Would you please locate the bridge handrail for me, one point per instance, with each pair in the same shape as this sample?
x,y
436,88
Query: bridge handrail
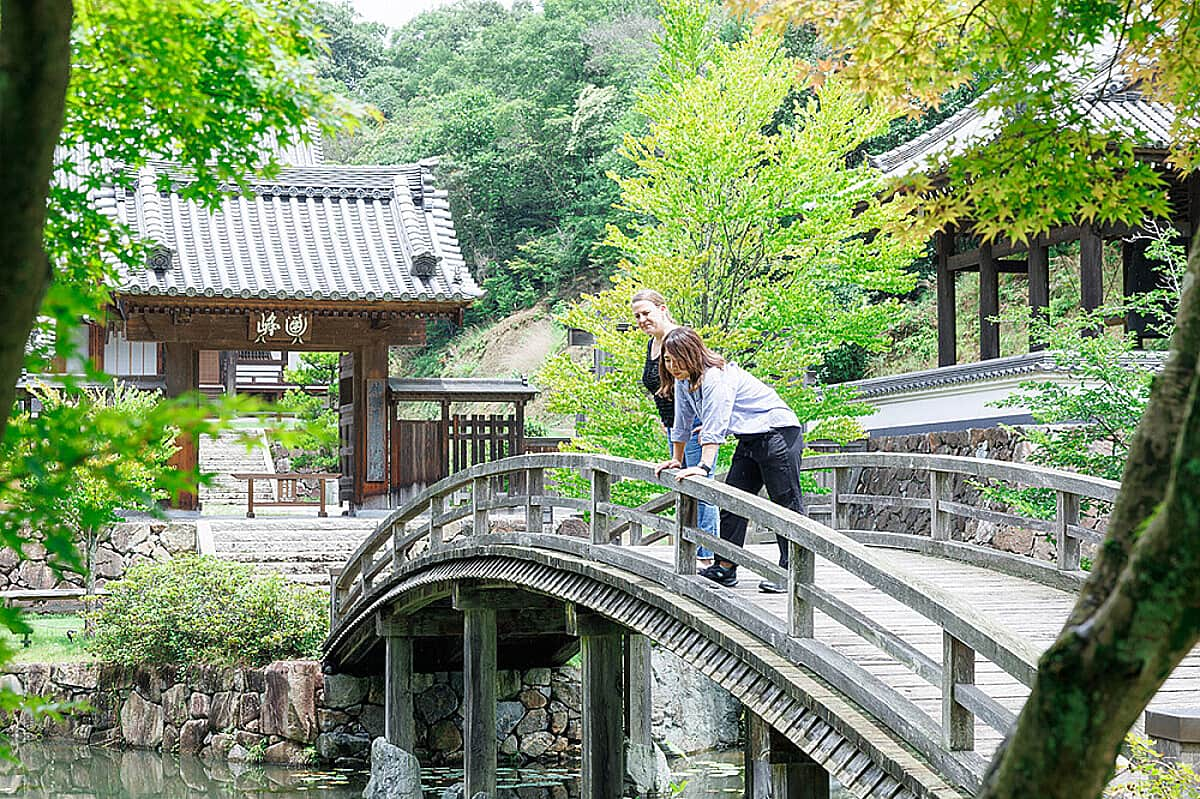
x,y
965,632
992,641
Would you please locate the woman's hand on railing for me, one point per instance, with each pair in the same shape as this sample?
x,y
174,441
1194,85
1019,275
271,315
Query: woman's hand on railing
x,y
671,464
691,471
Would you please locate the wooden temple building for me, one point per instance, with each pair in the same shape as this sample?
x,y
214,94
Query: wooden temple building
x,y
1110,98
349,259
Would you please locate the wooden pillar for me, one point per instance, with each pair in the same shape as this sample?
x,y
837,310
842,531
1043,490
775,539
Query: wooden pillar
x,y
399,722
638,679
370,421
777,769
958,668
182,367
947,327
603,725
479,700
1091,268
989,304
1039,287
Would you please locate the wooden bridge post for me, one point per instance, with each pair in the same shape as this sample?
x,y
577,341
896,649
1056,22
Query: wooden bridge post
x,y
777,769
958,668
399,723
801,573
839,511
939,520
535,484
638,679
685,548
601,493
602,645
1067,514
437,506
479,699
480,494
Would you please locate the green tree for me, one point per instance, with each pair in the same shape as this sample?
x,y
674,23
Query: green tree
x,y
759,234
87,497
1050,162
113,84
525,109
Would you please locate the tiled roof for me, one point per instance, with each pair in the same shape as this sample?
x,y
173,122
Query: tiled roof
x,y
1108,98
348,233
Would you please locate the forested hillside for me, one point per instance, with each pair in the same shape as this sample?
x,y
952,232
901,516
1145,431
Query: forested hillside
x,y
526,109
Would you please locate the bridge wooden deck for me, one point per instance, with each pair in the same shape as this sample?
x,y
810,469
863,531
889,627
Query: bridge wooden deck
x,y
1035,612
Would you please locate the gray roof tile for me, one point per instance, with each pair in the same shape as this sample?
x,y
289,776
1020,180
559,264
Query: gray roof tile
x,y
312,231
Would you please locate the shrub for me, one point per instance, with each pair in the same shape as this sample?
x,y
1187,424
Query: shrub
x,y
202,609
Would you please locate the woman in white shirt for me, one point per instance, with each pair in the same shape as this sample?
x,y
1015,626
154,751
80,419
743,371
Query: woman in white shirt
x,y
726,400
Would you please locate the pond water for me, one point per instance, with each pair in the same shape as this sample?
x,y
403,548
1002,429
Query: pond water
x,y
49,770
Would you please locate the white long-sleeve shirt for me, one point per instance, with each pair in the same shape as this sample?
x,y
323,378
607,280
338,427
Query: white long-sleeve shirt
x,y
729,400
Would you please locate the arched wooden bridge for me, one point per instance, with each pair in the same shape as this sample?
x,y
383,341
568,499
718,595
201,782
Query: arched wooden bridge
x,y
894,661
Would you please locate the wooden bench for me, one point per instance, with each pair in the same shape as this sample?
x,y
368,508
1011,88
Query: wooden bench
x,y
44,595
286,484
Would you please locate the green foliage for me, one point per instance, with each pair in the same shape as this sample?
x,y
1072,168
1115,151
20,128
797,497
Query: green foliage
x,y
200,609
204,85
524,108
1146,774
1091,413
1049,160
317,369
316,431
760,235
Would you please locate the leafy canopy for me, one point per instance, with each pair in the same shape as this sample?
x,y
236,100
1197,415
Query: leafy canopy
x,y
1042,62
747,214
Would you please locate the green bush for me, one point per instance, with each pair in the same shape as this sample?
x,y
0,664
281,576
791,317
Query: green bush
x,y
205,610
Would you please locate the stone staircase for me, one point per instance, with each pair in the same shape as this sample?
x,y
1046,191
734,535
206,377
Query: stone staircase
x,y
225,455
302,549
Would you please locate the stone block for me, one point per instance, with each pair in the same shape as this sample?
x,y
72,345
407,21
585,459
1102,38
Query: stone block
x,y
1013,539
372,720
289,707
249,708
192,735
108,564
533,698
508,684
199,705
508,715
141,722
343,690
223,714
445,737
436,703
179,538
219,745
534,721
76,675
535,744
175,704
338,745
537,677
395,773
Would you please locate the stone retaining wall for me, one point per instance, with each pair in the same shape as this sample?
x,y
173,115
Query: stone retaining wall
x,y
289,712
994,443
128,543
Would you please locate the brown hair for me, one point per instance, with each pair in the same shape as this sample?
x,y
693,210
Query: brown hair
x,y
688,350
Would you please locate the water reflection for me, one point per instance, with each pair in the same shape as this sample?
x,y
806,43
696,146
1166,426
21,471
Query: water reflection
x,y
62,771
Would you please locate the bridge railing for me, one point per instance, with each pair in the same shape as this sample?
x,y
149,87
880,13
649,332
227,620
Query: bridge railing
x,y
438,517
1065,529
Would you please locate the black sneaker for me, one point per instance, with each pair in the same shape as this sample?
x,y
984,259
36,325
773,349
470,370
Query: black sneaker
x,y
721,575
768,587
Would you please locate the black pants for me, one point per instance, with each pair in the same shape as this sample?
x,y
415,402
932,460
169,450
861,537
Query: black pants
x,y
771,459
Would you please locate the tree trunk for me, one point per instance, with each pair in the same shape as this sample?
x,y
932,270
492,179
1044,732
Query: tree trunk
x,y
1139,613
92,542
35,57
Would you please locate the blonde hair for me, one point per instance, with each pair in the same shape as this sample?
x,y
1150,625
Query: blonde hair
x,y
654,298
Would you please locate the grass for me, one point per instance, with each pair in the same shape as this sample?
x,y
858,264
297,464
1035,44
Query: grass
x,y
49,642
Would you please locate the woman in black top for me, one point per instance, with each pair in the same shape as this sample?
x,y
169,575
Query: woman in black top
x,y
652,318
